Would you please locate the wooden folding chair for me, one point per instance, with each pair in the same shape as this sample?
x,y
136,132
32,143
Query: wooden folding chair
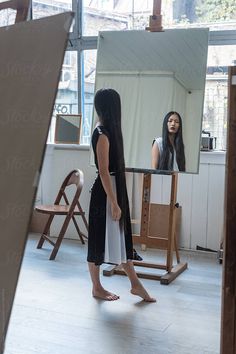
x,y
69,210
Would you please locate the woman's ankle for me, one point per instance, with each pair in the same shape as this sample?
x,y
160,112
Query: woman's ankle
x,y
97,287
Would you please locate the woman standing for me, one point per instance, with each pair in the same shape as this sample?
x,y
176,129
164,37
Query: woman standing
x,y
110,236
168,150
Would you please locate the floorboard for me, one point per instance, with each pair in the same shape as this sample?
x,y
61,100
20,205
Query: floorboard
x,y
55,313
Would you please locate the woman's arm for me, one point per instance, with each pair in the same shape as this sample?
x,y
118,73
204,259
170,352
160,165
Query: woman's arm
x,y
102,151
155,155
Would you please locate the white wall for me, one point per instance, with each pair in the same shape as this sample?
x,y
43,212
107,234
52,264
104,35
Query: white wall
x,y
57,164
201,196
202,199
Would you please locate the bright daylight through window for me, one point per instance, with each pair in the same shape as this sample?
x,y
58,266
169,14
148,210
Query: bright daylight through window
x,y
76,86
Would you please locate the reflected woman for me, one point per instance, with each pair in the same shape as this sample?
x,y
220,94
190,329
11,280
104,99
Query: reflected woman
x,y
168,150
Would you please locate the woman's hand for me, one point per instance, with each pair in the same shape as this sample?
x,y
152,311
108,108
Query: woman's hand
x,y
115,211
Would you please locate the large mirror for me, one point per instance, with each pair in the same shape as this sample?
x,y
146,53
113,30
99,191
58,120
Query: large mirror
x,y
156,73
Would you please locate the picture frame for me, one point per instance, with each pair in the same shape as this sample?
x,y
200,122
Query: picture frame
x,y
68,129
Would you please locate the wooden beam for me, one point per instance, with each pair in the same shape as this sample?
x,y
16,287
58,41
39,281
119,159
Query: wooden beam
x,y
175,271
172,221
228,320
155,20
145,205
156,242
165,278
156,7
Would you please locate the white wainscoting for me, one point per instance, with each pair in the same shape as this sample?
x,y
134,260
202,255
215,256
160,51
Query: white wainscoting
x,y
58,162
202,199
201,196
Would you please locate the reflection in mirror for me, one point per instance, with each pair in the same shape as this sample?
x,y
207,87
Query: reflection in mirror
x,y
156,73
168,150
67,129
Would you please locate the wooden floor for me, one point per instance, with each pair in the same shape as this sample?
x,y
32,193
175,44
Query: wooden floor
x,y
55,313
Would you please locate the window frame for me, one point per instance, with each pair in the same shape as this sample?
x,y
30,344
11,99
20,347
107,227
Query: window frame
x,y
78,42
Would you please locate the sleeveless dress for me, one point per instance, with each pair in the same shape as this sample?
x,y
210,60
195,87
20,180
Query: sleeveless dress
x,y
159,142
107,241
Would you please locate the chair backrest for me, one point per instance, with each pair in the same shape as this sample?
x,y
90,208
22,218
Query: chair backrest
x,y
75,177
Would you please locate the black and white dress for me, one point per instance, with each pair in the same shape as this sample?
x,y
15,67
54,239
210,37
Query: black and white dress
x,y
107,241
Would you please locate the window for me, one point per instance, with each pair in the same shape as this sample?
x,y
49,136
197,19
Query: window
x,y
43,8
129,14
88,79
7,17
67,94
100,15
216,14
80,63
215,106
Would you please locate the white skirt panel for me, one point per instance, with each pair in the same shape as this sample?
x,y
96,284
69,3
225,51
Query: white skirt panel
x,y
115,251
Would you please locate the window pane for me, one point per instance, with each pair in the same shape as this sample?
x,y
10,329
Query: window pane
x,y
132,14
7,17
67,95
88,78
43,8
115,15
217,14
215,106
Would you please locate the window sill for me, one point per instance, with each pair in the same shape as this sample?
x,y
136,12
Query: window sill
x,y
70,147
217,157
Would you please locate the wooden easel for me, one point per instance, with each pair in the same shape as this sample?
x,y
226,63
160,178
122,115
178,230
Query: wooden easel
x,y
169,244
155,20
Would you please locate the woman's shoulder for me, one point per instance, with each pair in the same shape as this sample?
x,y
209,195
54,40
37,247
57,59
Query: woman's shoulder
x,y
158,140
99,130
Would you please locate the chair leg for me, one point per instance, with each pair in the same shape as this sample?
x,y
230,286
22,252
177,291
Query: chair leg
x,y
60,238
78,230
45,231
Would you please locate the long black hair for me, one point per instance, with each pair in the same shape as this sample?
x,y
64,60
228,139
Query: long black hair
x,y
168,150
108,107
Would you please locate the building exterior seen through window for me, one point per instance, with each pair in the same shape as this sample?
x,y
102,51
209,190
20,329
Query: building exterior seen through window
x,y
216,92
76,86
7,17
43,8
67,95
218,15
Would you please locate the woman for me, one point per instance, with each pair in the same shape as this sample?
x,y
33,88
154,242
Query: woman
x,y
110,236
168,150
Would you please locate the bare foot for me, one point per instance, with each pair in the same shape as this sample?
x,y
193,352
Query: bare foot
x,y
104,295
140,291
